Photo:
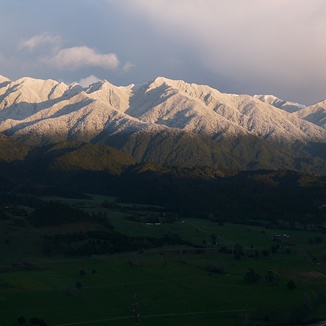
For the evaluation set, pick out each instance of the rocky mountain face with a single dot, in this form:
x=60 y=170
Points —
x=167 y=122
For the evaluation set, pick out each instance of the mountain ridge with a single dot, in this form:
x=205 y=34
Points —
x=167 y=122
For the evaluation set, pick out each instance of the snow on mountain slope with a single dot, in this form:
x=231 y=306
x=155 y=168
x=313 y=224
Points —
x=281 y=104
x=176 y=104
x=4 y=81
x=315 y=113
x=116 y=97
x=40 y=111
x=201 y=109
x=273 y=124
x=33 y=90
x=23 y=98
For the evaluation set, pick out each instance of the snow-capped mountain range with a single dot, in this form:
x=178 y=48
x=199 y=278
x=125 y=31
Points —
x=167 y=121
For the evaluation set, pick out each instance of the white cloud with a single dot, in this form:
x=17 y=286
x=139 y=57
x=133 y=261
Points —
x=127 y=67
x=82 y=56
x=71 y=58
x=37 y=40
x=85 y=82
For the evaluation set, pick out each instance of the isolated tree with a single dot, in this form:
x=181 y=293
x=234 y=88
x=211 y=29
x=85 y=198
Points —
x=238 y=251
x=21 y=320
x=272 y=278
x=251 y=276
x=291 y=285
x=37 y=321
x=78 y=285
x=41 y=322
x=269 y=277
x=34 y=321
x=82 y=273
x=213 y=238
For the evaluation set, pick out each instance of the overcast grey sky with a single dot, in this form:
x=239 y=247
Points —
x=238 y=46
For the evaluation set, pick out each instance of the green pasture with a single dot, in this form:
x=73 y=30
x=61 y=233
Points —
x=194 y=230
x=163 y=285
x=173 y=288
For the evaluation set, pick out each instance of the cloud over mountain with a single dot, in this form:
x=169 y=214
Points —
x=85 y=82
x=40 y=39
x=73 y=58
x=48 y=50
x=81 y=56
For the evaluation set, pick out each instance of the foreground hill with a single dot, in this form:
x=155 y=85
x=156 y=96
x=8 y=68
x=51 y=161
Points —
x=12 y=150
x=165 y=122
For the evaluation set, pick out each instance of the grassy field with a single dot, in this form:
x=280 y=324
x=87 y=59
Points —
x=174 y=285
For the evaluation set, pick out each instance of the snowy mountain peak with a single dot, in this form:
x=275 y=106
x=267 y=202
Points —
x=181 y=85
x=281 y=104
x=4 y=79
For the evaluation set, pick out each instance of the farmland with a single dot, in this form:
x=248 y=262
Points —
x=222 y=273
